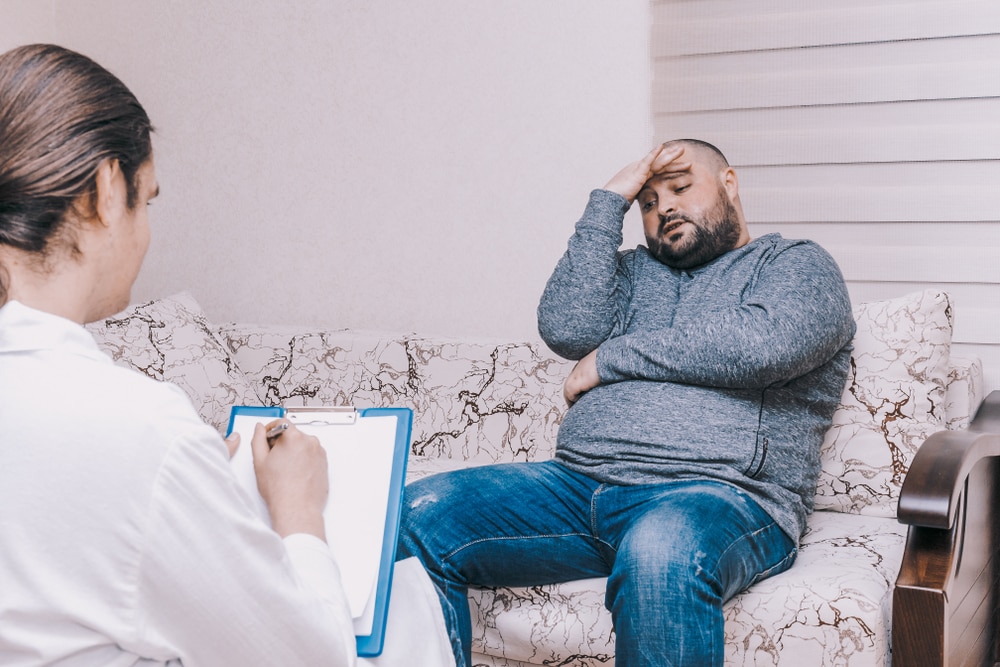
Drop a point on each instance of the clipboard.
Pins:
(366, 452)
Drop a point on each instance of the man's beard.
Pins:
(712, 236)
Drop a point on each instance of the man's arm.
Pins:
(798, 317)
(584, 300)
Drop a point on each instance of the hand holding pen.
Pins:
(233, 439)
(291, 471)
(274, 432)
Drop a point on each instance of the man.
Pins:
(710, 366)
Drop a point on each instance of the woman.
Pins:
(124, 538)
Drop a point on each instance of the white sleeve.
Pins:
(218, 587)
(317, 571)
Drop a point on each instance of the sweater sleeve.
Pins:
(794, 318)
(585, 298)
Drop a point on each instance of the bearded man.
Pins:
(709, 368)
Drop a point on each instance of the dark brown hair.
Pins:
(61, 116)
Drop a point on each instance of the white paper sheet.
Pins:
(360, 468)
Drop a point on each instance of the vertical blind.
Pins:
(869, 126)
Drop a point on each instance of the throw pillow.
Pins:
(894, 399)
(170, 340)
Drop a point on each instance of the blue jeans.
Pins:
(672, 552)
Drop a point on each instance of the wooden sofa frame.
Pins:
(944, 608)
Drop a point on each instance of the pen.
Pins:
(275, 431)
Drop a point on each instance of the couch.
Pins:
(480, 401)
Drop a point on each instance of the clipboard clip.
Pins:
(335, 415)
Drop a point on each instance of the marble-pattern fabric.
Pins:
(483, 401)
(473, 402)
(894, 399)
(170, 340)
(965, 391)
(830, 609)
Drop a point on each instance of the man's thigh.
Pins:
(517, 524)
(710, 529)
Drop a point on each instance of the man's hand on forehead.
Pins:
(663, 159)
(670, 161)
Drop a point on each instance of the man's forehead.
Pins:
(670, 175)
(665, 177)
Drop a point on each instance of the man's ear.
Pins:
(731, 184)
(109, 192)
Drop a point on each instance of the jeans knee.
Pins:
(654, 568)
(663, 567)
(419, 512)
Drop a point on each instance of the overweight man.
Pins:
(710, 365)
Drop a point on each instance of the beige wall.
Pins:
(379, 164)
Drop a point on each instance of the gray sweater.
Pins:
(730, 371)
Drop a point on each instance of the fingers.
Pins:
(663, 158)
(570, 397)
(655, 161)
(274, 431)
(652, 157)
(233, 443)
(567, 395)
(258, 445)
(668, 160)
(266, 435)
(292, 477)
(581, 379)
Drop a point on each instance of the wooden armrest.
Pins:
(944, 609)
(936, 479)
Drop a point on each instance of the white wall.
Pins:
(368, 164)
(24, 21)
(870, 126)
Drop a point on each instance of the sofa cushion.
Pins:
(556, 624)
(473, 402)
(894, 399)
(833, 606)
(965, 392)
(169, 340)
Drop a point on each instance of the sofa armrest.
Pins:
(937, 477)
(945, 598)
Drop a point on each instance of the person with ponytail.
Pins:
(124, 537)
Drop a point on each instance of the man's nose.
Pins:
(665, 207)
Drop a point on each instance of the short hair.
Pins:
(716, 153)
(61, 116)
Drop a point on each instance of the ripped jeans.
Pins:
(672, 552)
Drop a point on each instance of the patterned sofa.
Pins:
(482, 401)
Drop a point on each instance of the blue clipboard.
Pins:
(367, 448)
